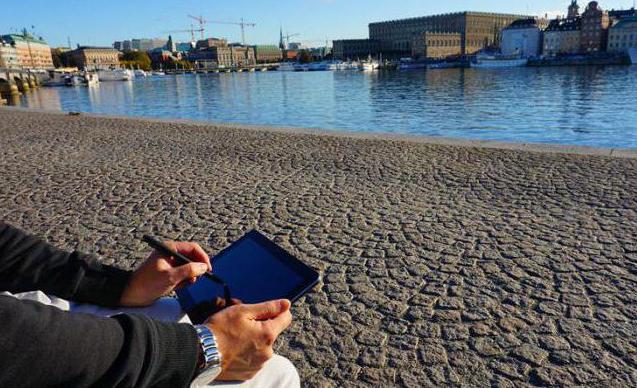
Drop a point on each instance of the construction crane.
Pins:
(287, 37)
(242, 23)
(202, 24)
(191, 31)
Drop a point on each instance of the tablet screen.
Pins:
(256, 270)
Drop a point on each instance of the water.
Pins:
(591, 106)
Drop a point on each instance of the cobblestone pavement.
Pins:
(442, 265)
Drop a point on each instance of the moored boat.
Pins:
(286, 66)
(115, 75)
(485, 61)
(410, 64)
(140, 73)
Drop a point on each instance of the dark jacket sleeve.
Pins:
(42, 346)
(29, 264)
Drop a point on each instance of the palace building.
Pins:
(477, 30)
(93, 58)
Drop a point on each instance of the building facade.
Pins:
(437, 45)
(267, 53)
(92, 58)
(623, 35)
(223, 56)
(562, 37)
(478, 30)
(595, 23)
(8, 56)
(523, 37)
(355, 48)
(32, 53)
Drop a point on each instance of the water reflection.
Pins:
(570, 105)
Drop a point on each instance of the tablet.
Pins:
(256, 270)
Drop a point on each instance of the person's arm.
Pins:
(43, 346)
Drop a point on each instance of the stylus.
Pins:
(165, 250)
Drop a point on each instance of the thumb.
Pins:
(267, 310)
(188, 271)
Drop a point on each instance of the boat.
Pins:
(57, 78)
(115, 75)
(369, 65)
(157, 73)
(407, 64)
(140, 73)
(90, 79)
(632, 53)
(347, 66)
(73, 80)
(317, 66)
(301, 67)
(286, 66)
(493, 61)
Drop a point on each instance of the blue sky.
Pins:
(92, 22)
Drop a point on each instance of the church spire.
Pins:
(281, 40)
(573, 9)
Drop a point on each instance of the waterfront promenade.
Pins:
(442, 264)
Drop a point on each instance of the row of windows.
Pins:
(443, 43)
(622, 45)
(622, 37)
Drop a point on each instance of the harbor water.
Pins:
(589, 106)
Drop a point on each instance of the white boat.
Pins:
(73, 80)
(345, 66)
(301, 67)
(158, 73)
(484, 61)
(286, 66)
(140, 73)
(115, 75)
(369, 65)
(90, 79)
(632, 52)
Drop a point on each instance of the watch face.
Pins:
(206, 377)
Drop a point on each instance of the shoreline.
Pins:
(630, 153)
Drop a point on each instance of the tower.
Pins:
(281, 40)
(170, 45)
(573, 9)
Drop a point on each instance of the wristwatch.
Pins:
(209, 366)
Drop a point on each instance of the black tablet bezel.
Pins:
(310, 277)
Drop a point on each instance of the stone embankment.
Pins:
(442, 264)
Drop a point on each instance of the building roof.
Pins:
(465, 13)
(626, 22)
(95, 48)
(15, 38)
(523, 23)
(620, 13)
(569, 24)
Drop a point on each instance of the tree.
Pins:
(136, 59)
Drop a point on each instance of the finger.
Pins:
(280, 323)
(267, 310)
(187, 271)
(193, 251)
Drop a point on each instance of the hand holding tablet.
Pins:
(255, 270)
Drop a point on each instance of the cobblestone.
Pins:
(442, 265)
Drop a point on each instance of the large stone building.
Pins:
(355, 48)
(563, 37)
(478, 30)
(32, 52)
(437, 45)
(8, 56)
(212, 53)
(623, 35)
(523, 37)
(267, 53)
(595, 23)
(91, 58)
